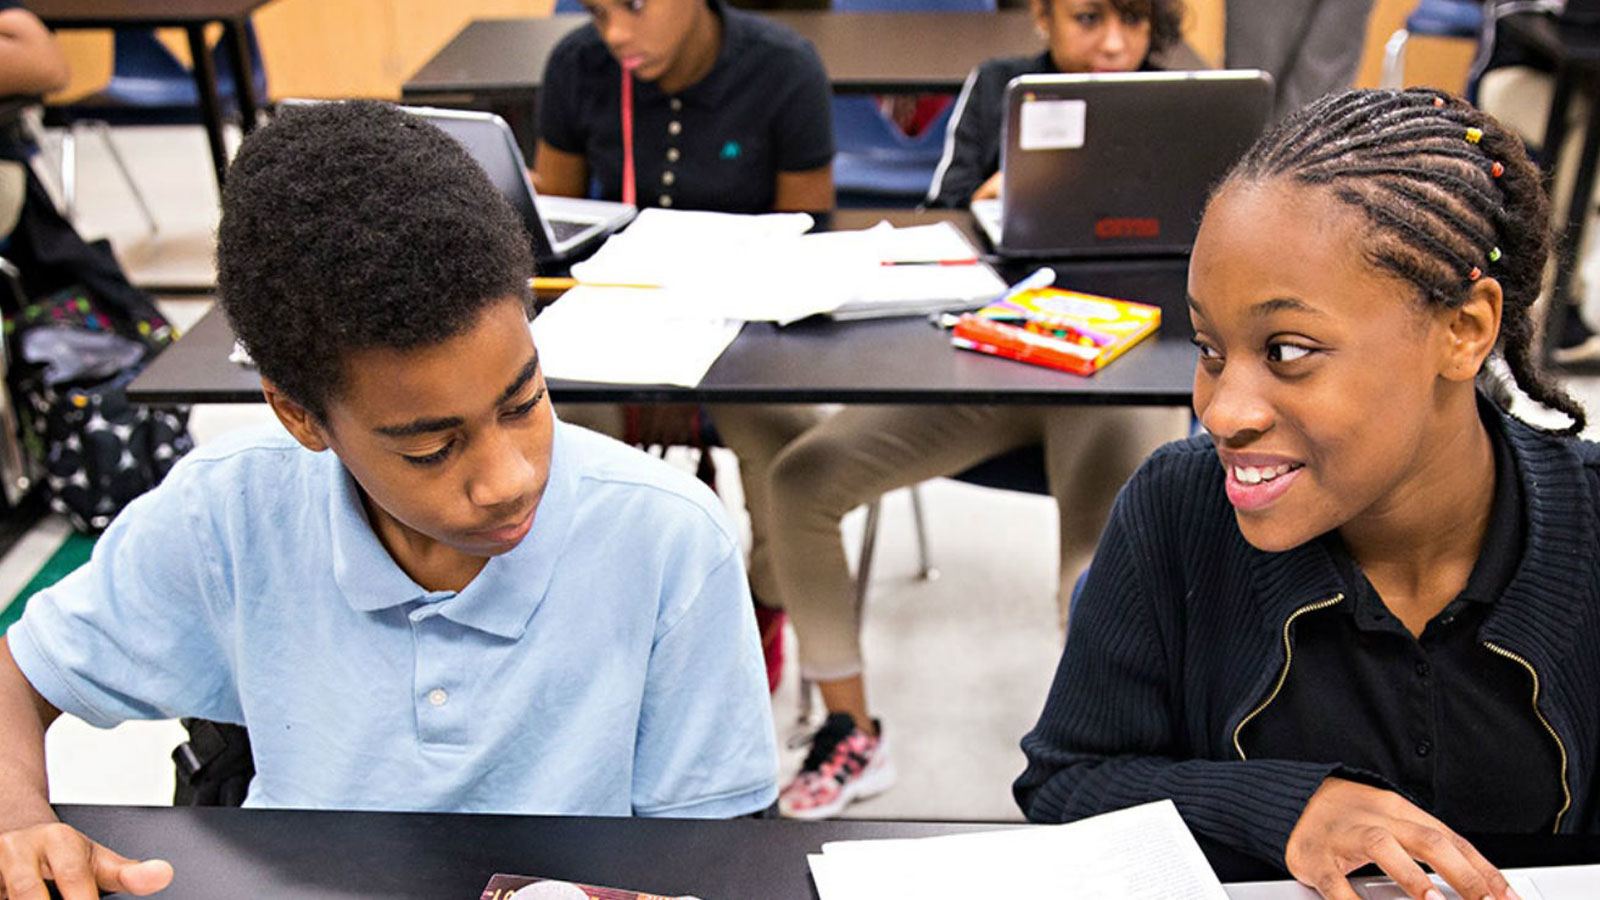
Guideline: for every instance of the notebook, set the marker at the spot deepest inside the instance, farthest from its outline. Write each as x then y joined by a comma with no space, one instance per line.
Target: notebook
562,228
1118,164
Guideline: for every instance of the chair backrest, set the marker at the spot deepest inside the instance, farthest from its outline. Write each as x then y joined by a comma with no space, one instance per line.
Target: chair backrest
913,5
145,73
859,126
1446,18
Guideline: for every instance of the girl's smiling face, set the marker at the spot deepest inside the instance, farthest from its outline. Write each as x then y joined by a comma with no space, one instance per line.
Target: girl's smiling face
1322,378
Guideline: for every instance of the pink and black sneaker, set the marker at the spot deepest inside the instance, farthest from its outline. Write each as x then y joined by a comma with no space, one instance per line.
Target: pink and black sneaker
845,764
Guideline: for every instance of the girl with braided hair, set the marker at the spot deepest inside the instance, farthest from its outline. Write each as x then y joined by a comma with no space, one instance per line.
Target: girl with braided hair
1360,616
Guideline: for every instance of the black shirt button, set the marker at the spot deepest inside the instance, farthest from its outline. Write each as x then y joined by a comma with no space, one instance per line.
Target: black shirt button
1424,748
1423,670
675,103
674,128
672,154
667,178
666,200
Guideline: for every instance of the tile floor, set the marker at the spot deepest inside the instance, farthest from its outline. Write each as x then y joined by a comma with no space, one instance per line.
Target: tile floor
959,665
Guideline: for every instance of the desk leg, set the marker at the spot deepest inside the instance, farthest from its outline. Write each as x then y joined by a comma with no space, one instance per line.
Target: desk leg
242,62
1570,242
1555,127
205,81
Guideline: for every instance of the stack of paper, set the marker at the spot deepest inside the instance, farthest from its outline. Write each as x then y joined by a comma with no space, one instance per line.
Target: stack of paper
1141,853
766,269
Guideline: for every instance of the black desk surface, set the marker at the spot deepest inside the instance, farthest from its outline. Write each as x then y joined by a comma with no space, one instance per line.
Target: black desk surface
865,52
901,360
302,855
154,13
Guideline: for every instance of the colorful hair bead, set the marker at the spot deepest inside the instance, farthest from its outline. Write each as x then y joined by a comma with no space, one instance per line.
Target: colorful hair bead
1496,170
1438,102
1474,135
1494,254
1475,274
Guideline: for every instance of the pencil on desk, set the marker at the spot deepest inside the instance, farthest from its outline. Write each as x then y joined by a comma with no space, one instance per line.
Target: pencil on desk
540,283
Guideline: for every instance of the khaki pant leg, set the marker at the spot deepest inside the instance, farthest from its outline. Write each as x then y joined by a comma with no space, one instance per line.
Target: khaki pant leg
850,459
756,433
1090,451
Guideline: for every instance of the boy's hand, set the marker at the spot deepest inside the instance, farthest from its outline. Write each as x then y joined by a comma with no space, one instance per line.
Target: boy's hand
1346,825
81,868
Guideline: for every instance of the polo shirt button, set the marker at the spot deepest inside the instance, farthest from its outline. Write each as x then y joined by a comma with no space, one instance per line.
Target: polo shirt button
667,178
1424,748
674,127
437,697
666,200
672,154
1423,669
675,103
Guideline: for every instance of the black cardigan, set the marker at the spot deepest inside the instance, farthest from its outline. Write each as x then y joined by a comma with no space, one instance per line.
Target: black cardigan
1181,634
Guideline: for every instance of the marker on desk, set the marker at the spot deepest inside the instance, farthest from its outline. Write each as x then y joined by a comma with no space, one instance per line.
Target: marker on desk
931,262
1042,277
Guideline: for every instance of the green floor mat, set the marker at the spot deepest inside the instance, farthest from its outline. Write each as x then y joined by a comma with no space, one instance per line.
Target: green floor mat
73,552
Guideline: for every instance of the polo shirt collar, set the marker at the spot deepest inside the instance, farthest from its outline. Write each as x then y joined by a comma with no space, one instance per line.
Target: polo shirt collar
505,594
503,598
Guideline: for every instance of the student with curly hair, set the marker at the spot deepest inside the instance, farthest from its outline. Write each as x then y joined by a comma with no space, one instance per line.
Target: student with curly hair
1083,36
1357,618
429,594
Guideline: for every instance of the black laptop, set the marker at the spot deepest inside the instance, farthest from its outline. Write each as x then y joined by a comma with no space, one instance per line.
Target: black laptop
1118,164
562,228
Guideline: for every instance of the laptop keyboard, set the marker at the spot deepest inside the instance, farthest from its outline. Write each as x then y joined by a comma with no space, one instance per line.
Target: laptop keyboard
563,228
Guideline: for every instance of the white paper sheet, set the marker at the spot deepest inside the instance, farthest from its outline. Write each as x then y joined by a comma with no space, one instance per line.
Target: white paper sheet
1141,853
628,336
765,269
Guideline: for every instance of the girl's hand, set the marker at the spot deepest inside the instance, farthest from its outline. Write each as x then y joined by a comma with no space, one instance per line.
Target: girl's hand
1346,825
989,189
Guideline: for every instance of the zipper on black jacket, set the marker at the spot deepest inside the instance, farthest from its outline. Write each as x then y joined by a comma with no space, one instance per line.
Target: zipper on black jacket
1566,795
1288,659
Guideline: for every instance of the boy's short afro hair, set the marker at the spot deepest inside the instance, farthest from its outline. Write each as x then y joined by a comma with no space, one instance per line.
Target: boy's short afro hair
356,225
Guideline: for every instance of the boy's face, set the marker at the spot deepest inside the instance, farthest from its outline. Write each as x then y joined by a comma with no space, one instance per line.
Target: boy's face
1092,35
647,36
450,442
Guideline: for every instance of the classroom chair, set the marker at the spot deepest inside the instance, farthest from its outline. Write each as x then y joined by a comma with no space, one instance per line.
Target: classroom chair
148,86
1462,19
876,163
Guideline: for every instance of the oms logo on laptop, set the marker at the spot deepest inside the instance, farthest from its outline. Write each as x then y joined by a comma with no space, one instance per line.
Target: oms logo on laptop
1110,229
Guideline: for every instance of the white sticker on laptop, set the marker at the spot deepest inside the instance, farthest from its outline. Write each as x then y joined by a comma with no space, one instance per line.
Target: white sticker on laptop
1052,124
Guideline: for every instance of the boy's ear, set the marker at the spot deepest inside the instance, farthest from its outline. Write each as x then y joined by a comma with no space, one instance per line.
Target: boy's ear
1472,330
296,418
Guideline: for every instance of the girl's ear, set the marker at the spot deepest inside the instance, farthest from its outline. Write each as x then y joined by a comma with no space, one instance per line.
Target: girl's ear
1472,330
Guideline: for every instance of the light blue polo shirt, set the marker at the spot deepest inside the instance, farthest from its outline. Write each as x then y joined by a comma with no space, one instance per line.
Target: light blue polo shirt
608,665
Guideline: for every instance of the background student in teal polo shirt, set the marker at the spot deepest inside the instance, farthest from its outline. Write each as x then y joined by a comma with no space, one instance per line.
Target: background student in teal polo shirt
731,112
466,605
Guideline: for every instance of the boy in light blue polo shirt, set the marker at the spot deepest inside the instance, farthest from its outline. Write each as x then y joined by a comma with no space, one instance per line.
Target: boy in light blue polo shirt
467,605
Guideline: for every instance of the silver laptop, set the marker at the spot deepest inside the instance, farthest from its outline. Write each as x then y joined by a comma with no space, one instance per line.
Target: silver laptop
562,228
1118,164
